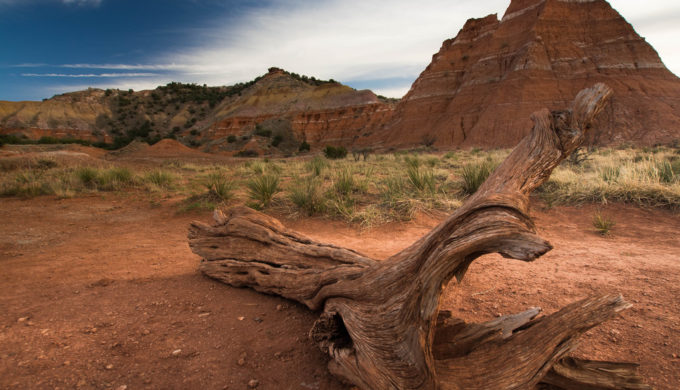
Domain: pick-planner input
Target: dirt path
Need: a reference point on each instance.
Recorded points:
(103, 293)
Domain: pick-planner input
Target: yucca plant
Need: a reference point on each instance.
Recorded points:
(474, 175)
(317, 165)
(262, 189)
(219, 186)
(159, 178)
(306, 194)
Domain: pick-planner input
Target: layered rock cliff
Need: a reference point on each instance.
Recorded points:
(482, 85)
(293, 107)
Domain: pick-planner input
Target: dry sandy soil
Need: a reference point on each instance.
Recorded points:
(103, 292)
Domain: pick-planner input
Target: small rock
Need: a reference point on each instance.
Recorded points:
(241, 318)
(279, 307)
(204, 314)
(121, 387)
(253, 383)
(277, 355)
(22, 319)
(176, 352)
(67, 363)
(109, 366)
(146, 332)
(81, 383)
(675, 355)
(258, 319)
(498, 315)
(242, 358)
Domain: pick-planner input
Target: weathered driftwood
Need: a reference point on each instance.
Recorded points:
(381, 324)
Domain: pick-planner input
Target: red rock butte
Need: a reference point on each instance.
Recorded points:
(482, 85)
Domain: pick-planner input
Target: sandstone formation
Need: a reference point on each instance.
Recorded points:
(292, 107)
(482, 85)
(330, 113)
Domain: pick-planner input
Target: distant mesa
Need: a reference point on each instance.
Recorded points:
(478, 90)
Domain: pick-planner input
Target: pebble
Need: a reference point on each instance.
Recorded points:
(258, 319)
(121, 387)
(109, 366)
(675, 355)
(253, 383)
(279, 307)
(176, 352)
(22, 319)
(146, 332)
(241, 318)
(204, 314)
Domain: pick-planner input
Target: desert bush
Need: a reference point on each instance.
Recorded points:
(474, 174)
(87, 176)
(262, 132)
(304, 147)
(317, 165)
(422, 179)
(219, 185)
(246, 153)
(344, 183)
(159, 178)
(27, 184)
(277, 140)
(114, 178)
(602, 223)
(306, 194)
(262, 189)
(335, 152)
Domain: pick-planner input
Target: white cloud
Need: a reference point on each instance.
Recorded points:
(92, 3)
(344, 40)
(84, 75)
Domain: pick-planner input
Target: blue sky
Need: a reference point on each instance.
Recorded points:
(55, 46)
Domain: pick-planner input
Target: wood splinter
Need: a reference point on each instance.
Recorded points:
(381, 323)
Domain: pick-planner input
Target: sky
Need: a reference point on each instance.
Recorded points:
(49, 47)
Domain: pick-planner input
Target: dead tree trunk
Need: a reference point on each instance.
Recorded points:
(381, 323)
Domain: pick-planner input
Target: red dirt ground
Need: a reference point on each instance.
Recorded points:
(103, 293)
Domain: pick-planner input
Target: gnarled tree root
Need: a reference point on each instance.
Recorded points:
(381, 324)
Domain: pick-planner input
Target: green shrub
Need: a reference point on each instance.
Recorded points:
(335, 152)
(277, 140)
(422, 180)
(304, 147)
(219, 186)
(474, 175)
(263, 188)
(262, 132)
(159, 178)
(114, 178)
(317, 165)
(247, 153)
(344, 183)
(305, 193)
(88, 176)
